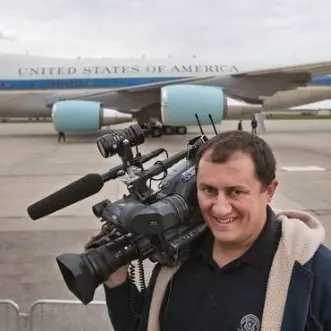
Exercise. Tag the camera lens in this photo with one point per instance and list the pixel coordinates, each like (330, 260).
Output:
(110, 143)
(83, 273)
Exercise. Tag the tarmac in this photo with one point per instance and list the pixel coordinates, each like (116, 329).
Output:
(33, 165)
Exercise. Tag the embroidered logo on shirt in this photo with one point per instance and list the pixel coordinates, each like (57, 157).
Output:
(249, 323)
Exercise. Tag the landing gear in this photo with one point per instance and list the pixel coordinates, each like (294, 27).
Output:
(156, 130)
(170, 130)
(181, 129)
(150, 121)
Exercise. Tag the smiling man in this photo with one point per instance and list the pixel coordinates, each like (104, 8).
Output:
(232, 198)
(251, 270)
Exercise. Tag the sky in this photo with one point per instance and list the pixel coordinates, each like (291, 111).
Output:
(219, 29)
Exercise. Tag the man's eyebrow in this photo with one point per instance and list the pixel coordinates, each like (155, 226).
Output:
(232, 187)
(236, 187)
(206, 185)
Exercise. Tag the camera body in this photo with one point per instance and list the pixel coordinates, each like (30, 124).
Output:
(158, 225)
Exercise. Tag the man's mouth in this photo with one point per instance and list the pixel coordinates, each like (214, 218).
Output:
(224, 220)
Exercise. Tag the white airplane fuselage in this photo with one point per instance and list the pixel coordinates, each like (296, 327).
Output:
(28, 85)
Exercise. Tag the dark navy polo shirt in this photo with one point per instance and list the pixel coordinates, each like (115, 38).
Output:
(204, 296)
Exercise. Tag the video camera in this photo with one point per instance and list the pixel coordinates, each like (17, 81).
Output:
(156, 224)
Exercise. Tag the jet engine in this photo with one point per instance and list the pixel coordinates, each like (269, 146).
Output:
(180, 103)
(80, 116)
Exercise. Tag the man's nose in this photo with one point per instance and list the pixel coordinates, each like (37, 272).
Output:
(222, 206)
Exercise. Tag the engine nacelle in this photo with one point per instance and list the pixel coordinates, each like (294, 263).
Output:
(80, 116)
(180, 103)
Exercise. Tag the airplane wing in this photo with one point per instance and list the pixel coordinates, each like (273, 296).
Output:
(256, 85)
(250, 86)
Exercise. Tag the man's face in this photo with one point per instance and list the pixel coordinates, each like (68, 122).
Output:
(231, 199)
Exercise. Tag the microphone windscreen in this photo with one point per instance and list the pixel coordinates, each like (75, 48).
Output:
(68, 195)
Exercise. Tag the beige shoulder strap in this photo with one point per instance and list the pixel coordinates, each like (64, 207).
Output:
(278, 284)
(161, 283)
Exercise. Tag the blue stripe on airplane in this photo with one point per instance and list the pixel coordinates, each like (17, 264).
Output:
(72, 83)
(321, 80)
(42, 84)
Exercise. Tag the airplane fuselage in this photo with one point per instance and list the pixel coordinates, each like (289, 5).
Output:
(28, 85)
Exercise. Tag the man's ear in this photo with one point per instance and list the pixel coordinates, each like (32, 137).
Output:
(271, 189)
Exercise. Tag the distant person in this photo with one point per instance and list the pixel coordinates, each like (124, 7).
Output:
(240, 125)
(61, 136)
(254, 125)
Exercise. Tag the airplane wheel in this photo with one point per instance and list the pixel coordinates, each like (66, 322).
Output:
(145, 129)
(181, 129)
(156, 132)
(168, 130)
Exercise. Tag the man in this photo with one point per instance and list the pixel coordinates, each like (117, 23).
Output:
(240, 125)
(254, 125)
(251, 270)
(61, 136)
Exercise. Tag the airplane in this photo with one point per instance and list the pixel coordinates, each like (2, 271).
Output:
(314, 107)
(85, 94)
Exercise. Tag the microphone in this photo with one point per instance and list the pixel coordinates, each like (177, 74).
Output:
(68, 195)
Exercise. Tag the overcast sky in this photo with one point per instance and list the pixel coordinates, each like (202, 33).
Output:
(220, 29)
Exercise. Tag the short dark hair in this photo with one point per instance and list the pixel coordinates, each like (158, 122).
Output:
(223, 145)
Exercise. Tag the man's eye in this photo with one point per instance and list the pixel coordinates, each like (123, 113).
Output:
(237, 192)
(208, 190)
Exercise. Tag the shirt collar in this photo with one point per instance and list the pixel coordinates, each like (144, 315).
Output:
(262, 251)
